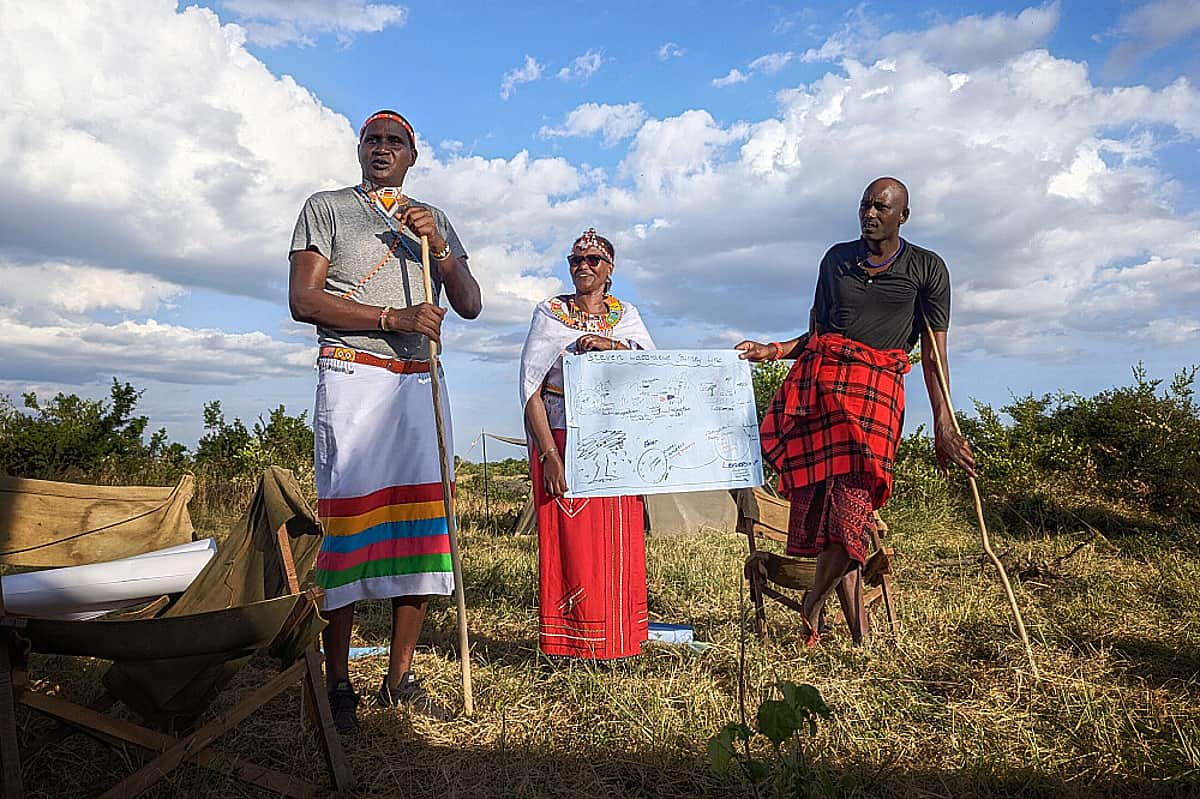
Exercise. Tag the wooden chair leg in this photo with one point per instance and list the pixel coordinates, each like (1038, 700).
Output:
(168, 761)
(10, 754)
(327, 736)
(746, 527)
(889, 603)
(760, 610)
(118, 732)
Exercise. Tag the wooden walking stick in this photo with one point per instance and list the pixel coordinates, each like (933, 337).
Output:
(983, 531)
(464, 642)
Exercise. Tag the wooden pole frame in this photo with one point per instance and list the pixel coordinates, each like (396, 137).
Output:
(464, 642)
(983, 531)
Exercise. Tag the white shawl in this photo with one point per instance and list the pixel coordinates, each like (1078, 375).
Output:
(549, 338)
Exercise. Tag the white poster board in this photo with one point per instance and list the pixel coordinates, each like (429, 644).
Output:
(660, 421)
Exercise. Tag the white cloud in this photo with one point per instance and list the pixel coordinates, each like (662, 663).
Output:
(182, 185)
(81, 352)
(59, 287)
(275, 23)
(1017, 180)
(1150, 27)
(730, 78)
(962, 44)
(670, 50)
(613, 122)
(158, 172)
(583, 67)
(528, 72)
(768, 64)
(771, 63)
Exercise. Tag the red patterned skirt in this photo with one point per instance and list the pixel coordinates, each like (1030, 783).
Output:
(837, 511)
(592, 572)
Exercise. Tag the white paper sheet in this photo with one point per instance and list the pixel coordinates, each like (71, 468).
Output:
(660, 421)
(83, 592)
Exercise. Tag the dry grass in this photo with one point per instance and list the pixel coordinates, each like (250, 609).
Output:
(948, 710)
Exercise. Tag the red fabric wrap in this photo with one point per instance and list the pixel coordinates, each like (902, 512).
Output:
(591, 570)
(839, 411)
(837, 511)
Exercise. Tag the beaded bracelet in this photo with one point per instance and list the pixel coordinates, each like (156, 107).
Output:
(383, 318)
(444, 254)
(778, 350)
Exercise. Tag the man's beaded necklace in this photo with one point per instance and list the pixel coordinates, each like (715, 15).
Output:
(867, 260)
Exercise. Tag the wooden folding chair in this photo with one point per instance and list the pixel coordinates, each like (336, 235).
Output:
(764, 569)
(284, 626)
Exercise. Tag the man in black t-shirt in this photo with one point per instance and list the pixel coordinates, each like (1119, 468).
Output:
(832, 430)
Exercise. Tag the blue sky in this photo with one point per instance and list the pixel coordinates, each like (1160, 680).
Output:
(154, 157)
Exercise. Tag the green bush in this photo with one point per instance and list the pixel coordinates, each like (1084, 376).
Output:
(767, 378)
(1144, 443)
(1055, 461)
(229, 450)
(69, 438)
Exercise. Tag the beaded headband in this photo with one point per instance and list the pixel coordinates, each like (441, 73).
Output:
(412, 137)
(591, 238)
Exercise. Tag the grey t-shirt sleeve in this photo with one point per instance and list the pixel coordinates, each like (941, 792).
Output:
(315, 228)
(456, 247)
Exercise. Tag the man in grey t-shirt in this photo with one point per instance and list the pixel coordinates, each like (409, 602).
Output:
(356, 275)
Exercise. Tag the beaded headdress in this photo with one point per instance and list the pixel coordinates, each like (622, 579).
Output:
(591, 238)
(392, 115)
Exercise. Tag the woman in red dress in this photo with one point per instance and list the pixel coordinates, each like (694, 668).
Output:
(591, 551)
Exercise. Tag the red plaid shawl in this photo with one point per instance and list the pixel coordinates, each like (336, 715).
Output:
(839, 411)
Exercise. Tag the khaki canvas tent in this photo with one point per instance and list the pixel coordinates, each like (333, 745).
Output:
(168, 665)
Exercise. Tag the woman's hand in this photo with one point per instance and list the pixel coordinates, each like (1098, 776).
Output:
(590, 342)
(554, 474)
(754, 352)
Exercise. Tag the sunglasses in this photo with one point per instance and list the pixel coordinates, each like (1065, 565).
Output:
(592, 260)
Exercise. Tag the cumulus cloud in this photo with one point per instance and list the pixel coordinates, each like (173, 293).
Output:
(528, 72)
(961, 44)
(1151, 27)
(53, 288)
(275, 23)
(1074, 216)
(82, 352)
(669, 50)
(182, 178)
(612, 122)
(142, 196)
(583, 67)
(730, 78)
(768, 64)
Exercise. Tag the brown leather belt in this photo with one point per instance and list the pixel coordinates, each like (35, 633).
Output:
(396, 365)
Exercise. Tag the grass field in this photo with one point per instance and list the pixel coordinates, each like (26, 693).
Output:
(947, 709)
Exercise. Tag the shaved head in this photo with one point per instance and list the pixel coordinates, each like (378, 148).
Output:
(878, 184)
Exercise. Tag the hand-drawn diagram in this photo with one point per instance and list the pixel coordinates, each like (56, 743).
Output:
(660, 421)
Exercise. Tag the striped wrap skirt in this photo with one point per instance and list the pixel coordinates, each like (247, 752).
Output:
(379, 485)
